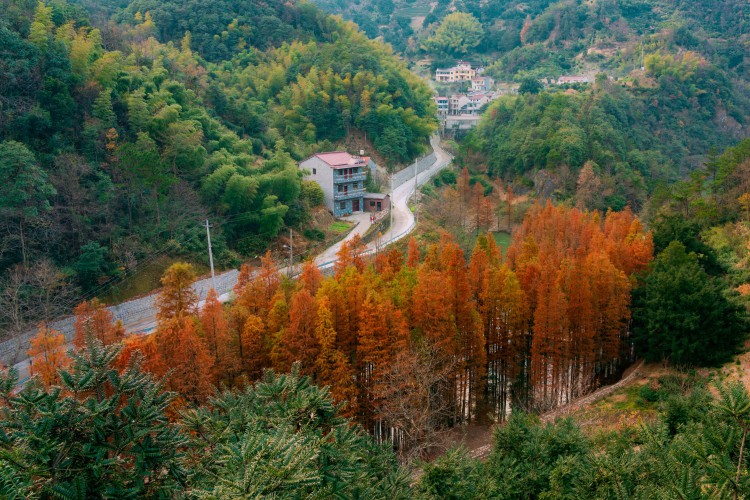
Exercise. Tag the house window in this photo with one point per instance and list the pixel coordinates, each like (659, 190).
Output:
(342, 205)
(372, 203)
(315, 171)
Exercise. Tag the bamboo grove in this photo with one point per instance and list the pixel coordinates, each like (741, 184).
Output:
(411, 343)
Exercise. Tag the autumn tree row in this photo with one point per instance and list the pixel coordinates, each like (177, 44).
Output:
(417, 342)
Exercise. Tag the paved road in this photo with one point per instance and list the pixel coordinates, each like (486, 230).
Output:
(328, 256)
(139, 315)
(403, 218)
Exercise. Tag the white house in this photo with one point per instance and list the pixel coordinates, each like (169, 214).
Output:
(482, 83)
(342, 178)
(563, 80)
(469, 104)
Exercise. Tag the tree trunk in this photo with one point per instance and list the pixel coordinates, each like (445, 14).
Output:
(739, 462)
(23, 245)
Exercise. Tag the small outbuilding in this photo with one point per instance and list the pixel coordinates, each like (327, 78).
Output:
(376, 202)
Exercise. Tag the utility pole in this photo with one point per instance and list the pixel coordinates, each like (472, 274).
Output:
(390, 209)
(416, 173)
(210, 256)
(643, 63)
(291, 252)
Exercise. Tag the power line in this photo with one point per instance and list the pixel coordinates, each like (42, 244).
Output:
(210, 255)
(131, 274)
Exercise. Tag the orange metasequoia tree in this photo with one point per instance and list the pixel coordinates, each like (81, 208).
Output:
(215, 328)
(95, 320)
(184, 356)
(332, 368)
(298, 342)
(178, 347)
(47, 355)
(576, 271)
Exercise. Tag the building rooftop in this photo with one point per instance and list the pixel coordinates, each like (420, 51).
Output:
(377, 196)
(341, 159)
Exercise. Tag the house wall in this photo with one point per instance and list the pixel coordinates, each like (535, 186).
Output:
(371, 204)
(323, 176)
(352, 190)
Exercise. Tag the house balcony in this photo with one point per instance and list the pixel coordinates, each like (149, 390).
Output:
(338, 179)
(348, 195)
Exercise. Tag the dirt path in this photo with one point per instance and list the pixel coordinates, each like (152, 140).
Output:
(630, 374)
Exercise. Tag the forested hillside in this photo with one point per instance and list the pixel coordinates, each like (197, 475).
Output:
(669, 81)
(122, 125)
(523, 34)
(404, 347)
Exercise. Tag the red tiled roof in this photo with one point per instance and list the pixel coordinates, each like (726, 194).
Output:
(339, 159)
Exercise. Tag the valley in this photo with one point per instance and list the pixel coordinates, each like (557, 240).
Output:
(374, 249)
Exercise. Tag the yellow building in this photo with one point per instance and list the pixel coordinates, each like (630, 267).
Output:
(461, 72)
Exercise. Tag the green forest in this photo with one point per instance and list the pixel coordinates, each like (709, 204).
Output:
(124, 125)
(543, 37)
(628, 141)
(669, 85)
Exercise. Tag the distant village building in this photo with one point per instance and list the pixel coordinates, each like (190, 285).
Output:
(470, 104)
(460, 122)
(564, 80)
(443, 105)
(482, 84)
(462, 111)
(341, 176)
(461, 72)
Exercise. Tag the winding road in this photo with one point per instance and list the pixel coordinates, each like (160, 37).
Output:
(403, 218)
(139, 315)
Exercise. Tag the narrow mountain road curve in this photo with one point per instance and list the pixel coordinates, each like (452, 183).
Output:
(139, 315)
(403, 218)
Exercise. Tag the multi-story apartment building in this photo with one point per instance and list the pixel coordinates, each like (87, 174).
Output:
(443, 105)
(342, 178)
(482, 84)
(468, 104)
(461, 72)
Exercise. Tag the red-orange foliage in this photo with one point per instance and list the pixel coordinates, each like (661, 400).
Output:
(547, 323)
(254, 346)
(332, 368)
(389, 263)
(503, 309)
(215, 327)
(95, 320)
(350, 255)
(413, 257)
(311, 277)
(47, 355)
(574, 268)
(182, 352)
(382, 335)
(298, 342)
(256, 289)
